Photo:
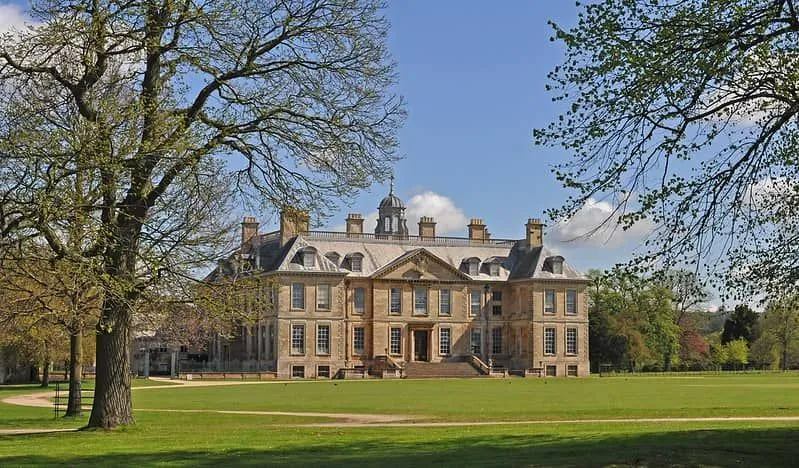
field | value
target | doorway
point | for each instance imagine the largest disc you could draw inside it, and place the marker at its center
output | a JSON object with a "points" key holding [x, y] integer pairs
{"points": [[421, 343]]}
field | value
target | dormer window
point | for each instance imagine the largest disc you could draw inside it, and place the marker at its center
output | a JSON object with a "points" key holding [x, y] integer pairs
{"points": [[334, 257], [493, 269], [554, 265], [473, 266], [308, 258], [355, 261]]}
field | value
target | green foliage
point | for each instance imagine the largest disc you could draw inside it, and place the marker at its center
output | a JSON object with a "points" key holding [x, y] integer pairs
{"points": [[737, 352], [741, 324], [685, 113], [778, 344]]}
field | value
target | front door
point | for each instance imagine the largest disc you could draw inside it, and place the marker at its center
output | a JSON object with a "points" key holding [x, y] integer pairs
{"points": [[420, 345]]}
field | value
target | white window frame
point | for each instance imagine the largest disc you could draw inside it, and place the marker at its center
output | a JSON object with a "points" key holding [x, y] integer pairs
{"points": [[356, 309], [356, 262], [444, 307], [295, 298], [391, 309], [474, 268], [571, 302], [550, 341], [478, 345], [319, 350], [329, 292], [444, 341], [420, 300], [550, 309], [557, 267], [475, 293], [493, 269], [355, 348], [295, 350], [391, 349], [571, 341], [308, 258]]}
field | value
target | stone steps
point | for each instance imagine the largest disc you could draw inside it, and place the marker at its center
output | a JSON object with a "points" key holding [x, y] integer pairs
{"points": [[416, 370]]}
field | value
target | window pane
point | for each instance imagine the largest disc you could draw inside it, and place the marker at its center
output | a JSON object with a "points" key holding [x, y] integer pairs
{"points": [[549, 341], [396, 301], [323, 339], [496, 303], [496, 340], [323, 296], [356, 262], [444, 302], [308, 259], [549, 301], [571, 301], [420, 301], [298, 339], [571, 341], [360, 300], [298, 372], [444, 340], [476, 341], [358, 340], [395, 346], [474, 268], [297, 296], [474, 301]]}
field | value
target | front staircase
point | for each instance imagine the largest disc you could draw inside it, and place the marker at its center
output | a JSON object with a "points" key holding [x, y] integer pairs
{"points": [[420, 370]]}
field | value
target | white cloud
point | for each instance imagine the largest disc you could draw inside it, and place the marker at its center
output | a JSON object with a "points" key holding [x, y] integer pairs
{"points": [[450, 220], [12, 18], [448, 217], [585, 227]]}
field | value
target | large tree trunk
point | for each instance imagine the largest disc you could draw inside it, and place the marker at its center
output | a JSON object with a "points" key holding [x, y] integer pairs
{"points": [[46, 373], [112, 404], [75, 375]]}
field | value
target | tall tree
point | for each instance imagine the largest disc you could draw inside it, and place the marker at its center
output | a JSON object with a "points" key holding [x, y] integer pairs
{"points": [[740, 324], [684, 113], [780, 329], [164, 109]]}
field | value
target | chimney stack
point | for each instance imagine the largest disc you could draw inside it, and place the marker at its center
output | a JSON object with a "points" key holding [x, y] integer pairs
{"points": [[249, 231], [354, 224], [535, 232], [427, 227], [477, 230], [292, 223]]}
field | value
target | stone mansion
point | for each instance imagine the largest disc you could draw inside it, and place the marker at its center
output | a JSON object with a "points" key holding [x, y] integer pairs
{"points": [[350, 302]]}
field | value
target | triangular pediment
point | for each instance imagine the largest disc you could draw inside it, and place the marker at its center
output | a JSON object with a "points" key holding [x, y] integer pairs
{"points": [[419, 264]]}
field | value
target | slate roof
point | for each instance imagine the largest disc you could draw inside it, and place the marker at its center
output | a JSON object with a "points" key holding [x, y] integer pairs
{"points": [[517, 260]]}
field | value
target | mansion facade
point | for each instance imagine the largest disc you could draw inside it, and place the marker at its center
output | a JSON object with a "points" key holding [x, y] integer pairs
{"points": [[354, 300]]}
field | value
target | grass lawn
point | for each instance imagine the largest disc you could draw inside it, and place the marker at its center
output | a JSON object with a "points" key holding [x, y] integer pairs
{"points": [[505, 399], [206, 439]]}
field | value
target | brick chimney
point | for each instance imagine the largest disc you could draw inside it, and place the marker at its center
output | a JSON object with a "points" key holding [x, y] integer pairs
{"points": [[249, 230], [427, 227], [292, 223], [535, 232], [477, 230], [354, 224]]}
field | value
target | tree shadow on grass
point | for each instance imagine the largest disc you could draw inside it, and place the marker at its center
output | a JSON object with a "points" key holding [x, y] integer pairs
{"points": [[739, 447]]}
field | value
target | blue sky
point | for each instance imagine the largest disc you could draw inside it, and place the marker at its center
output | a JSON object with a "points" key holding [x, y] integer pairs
{"points": [[473, 76]]}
